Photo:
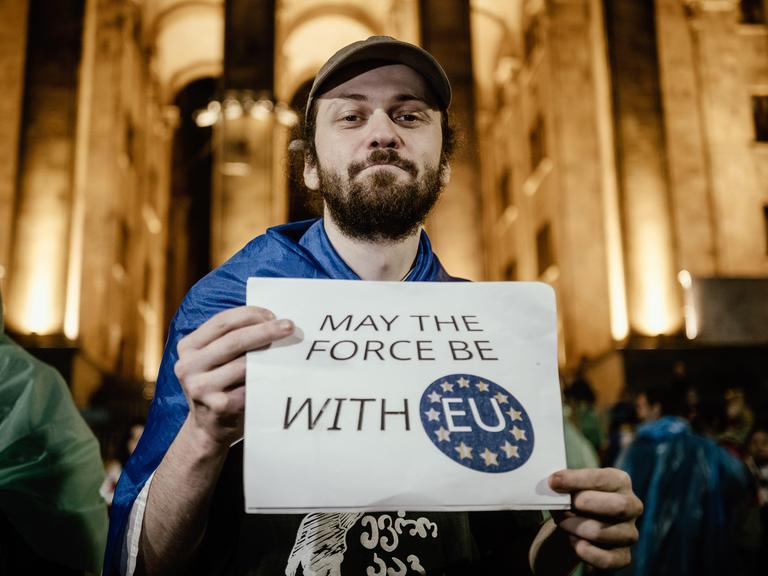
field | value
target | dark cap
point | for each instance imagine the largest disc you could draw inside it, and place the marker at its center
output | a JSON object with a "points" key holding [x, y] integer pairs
{"points": [[380, 51]]}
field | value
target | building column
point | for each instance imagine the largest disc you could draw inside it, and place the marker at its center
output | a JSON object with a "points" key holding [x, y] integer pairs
{"points": [[13, 45], [686, 140], [455, 224], [737, 196], [247, 193], [653, 294], [593, 303], [98, 269], [39, 260]]}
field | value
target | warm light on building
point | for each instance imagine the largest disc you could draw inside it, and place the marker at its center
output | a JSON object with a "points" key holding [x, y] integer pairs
{"points": [[39, 316], [39, 312], [617, 288], [654, 304], [655, 311], [690, 315], [153, 343]]}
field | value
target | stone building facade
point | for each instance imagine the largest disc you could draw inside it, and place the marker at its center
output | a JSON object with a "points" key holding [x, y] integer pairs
{"points": [[615, 149]]}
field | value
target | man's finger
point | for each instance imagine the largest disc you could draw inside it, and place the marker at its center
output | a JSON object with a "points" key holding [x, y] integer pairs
{"points": [[612, 505], [228, 407], [601, 558], [252, 337], [601, 479], [221, 323], [231, 345], [223, 378], [599, 532]]}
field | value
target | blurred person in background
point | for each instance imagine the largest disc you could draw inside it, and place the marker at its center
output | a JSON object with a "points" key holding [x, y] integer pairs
{"points": [[694, 492], [113, 466], [757, 462], [580, 399], [622, 422], [52, 519], [738, 420]]}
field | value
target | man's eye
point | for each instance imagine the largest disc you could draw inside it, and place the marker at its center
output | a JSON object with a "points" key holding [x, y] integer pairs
{"points": [[351, 118], [407, 118]]}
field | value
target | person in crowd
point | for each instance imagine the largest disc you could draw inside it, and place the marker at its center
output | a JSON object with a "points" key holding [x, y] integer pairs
{"points": [[757, 462], [739, 419], [580, 398], [692, 490], [113, 466], [622, 422], [52, 518]]}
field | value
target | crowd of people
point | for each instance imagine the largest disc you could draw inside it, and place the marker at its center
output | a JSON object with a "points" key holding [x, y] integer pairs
{"points": [[699, 463]]}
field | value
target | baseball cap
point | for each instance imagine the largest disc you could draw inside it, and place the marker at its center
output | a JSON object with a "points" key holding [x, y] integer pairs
{"points": [[379, 51]]}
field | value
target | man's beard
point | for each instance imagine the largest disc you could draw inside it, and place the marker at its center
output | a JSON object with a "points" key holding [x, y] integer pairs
{"points": [[379, 207]]}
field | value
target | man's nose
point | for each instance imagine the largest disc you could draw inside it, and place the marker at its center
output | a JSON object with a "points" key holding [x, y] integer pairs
{"points": [[382, 131]]}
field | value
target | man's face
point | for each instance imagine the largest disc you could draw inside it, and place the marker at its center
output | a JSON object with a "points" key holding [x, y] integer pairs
{"points": [[378, 140], [758, 447], [646, 412]]}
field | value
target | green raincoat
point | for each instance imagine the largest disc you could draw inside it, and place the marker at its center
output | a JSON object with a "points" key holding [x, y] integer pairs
{"points": [[50, 469]]}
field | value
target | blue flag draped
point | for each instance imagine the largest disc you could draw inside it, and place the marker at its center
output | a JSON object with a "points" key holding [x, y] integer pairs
{"points": [[296, 250]]}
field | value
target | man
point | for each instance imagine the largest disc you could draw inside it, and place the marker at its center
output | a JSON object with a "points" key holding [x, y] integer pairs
{"points": [[377, 146]]}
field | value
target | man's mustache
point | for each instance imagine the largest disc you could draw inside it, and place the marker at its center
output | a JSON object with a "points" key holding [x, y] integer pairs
{"points": [[377, 157]]}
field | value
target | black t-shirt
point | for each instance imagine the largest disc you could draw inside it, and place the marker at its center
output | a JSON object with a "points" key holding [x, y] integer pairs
{"points": [[370, 544]]}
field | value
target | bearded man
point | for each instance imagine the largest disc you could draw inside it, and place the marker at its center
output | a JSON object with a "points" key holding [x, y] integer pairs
{"points": [[377, 146]]}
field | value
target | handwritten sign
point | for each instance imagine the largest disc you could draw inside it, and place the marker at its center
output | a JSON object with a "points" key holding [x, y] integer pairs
{"points": [[394, 395]]}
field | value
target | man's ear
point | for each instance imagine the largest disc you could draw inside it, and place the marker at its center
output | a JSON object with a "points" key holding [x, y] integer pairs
{"points": [[445, 174], [311, 174]]}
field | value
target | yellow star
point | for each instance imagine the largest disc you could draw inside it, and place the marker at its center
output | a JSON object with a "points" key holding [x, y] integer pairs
{"points": [[482, 386], [518, 434], [510, 450], [446, 387], [490, 458], [514, 414], [434, 397], [501, 398], [464, 451], [443, 434], [433, 415], [463, 382]]}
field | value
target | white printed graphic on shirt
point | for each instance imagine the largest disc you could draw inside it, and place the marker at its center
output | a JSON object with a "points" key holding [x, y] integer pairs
{"points": [[321, 543]]}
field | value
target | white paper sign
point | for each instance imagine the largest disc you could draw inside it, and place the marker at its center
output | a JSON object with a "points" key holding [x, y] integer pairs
{"points": [[404, 395]]}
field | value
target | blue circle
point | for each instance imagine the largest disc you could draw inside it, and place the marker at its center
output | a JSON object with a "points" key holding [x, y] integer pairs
{"points": [[477, 423]]}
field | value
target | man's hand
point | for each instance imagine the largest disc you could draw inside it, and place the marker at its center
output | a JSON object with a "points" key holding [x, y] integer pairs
{"points": [[601, 523], [211, 369]]}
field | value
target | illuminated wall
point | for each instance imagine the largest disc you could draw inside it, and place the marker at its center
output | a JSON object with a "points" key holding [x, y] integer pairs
{"points": [[615, 182], [654, 303], [88, 252], [13, 36], [650, 165], [40, 253], [549, 185]]}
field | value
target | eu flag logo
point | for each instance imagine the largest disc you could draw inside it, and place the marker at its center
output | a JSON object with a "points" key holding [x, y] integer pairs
{"points": [[476, 423]]}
